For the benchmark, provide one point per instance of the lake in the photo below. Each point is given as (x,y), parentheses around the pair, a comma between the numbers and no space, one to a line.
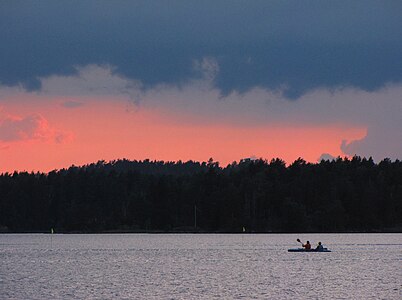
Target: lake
(199,266)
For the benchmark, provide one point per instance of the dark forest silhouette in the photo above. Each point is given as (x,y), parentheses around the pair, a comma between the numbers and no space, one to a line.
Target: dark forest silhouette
(341,195)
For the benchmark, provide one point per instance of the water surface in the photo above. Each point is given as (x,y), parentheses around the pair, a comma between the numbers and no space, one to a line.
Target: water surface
(199,266)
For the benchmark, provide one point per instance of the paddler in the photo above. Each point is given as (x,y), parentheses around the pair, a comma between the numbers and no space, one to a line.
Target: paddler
(319,247)
(307,246)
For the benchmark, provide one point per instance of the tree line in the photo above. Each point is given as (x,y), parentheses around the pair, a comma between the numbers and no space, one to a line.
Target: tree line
(341,195)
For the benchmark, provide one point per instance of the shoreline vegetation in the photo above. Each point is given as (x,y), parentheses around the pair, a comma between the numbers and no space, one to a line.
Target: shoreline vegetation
(343,195)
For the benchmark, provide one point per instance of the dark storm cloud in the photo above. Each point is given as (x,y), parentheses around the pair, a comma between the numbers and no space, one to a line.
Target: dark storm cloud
(292,45)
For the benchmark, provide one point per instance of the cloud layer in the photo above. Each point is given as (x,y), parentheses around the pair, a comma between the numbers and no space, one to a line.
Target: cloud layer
(289,45)
(29,128)
(199,103)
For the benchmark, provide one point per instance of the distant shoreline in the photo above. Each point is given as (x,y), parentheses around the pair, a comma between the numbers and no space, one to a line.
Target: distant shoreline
(257,196)
(396,230)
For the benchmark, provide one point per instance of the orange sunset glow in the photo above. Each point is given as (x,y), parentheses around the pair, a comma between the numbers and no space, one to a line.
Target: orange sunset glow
(111,130)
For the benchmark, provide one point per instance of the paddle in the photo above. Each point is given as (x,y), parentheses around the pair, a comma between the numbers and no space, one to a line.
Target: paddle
(299,241)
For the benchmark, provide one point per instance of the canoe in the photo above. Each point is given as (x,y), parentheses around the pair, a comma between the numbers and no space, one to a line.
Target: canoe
(305,250)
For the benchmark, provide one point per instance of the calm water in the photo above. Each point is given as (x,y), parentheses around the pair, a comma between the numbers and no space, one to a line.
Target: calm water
(198,266)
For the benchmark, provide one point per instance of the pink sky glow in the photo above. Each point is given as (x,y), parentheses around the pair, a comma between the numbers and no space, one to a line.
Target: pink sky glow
(47,135)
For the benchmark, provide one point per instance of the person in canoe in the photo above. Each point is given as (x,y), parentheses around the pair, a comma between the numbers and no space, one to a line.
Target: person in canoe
(307,245)
(319,247)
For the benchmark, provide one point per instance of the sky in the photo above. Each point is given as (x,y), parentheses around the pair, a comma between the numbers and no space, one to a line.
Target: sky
(82,81)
